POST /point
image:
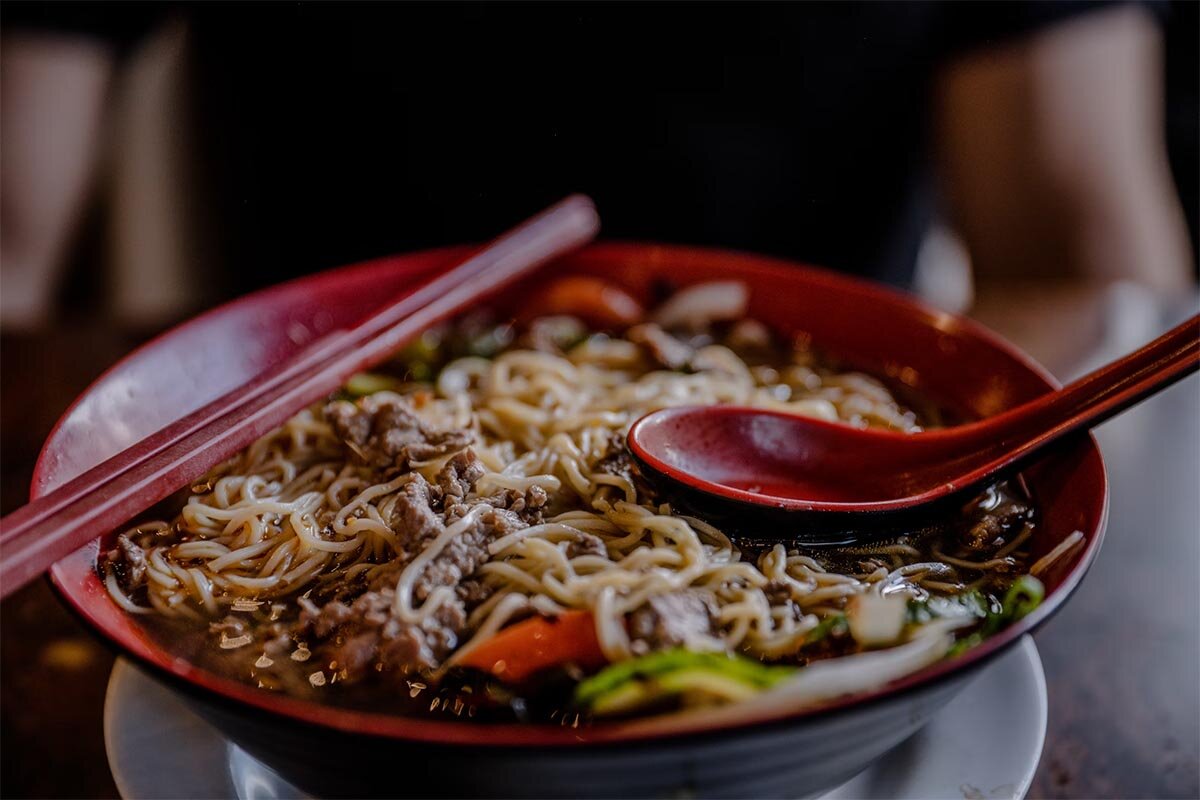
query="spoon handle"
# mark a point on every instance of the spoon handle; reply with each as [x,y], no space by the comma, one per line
[1098,395]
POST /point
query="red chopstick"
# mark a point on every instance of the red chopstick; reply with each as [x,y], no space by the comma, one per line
[35,536]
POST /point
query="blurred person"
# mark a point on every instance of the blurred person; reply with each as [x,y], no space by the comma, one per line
[830,133]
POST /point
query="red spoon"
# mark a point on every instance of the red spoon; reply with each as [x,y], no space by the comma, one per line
[767,473]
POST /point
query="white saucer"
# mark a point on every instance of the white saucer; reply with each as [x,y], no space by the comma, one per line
[985,744]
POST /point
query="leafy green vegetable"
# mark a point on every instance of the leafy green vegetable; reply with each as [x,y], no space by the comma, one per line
[427,347]
[968,604]
[964,644]
[832,625]
[362,384]
[1025,594]
[670,673]
[488,342]
[423,356]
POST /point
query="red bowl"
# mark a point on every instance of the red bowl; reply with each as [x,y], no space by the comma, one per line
[947,358]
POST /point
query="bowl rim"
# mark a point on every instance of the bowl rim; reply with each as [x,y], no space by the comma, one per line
[211,688]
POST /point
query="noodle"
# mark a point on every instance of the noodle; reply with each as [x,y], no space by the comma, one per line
[292,514]
[1063,547]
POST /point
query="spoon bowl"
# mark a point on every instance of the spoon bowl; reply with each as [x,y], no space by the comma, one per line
[777,475]
[773,474]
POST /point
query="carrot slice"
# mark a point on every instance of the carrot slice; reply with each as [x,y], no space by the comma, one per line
[595,301]
[538,643]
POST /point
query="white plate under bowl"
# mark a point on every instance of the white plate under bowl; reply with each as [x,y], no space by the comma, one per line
[985,744]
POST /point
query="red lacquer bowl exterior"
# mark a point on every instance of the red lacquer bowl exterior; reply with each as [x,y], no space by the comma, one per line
[949,358]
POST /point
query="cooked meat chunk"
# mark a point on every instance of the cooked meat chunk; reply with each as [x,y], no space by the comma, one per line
[620,463]
[586,544]
[426,644]
[670,620]
[996,526]
[416,523]
[381,431]
[617,462]
[135,560]
[458,477]
[661,346]
[461,556]
[467,551]
[473,592]
[413,518]
[501,522]
[355,654]
[535,499]
[405,645]
[366,633]
[527,506]
[330,617]
[129,562]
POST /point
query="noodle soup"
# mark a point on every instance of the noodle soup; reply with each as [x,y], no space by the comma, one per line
[463,534]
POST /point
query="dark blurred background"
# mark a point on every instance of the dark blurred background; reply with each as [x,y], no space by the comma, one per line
[162,157]
[1031,164]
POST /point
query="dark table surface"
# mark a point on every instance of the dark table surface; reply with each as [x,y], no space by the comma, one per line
[1122,659]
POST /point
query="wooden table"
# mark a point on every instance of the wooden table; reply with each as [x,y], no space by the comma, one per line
[1122,659]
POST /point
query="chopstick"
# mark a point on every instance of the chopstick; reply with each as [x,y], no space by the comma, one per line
[35,536]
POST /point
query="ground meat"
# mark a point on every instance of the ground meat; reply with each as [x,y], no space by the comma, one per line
[383,432]
[671,620]
[366,633]
[413,517]
[501,522]
[454,511]
[586,544]
[355,654]
[416,523]
[467,551]
[426,644]
[404,645]
[457,479]
[527,506]
[435,638]
[329,618]
[461,556]
[661,346]
[535,498]
[618,461]
[473,592]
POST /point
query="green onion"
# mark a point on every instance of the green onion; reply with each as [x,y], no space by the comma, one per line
[1025,594]
[651,678]
[1022,597]
[362,384]
[830,626]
